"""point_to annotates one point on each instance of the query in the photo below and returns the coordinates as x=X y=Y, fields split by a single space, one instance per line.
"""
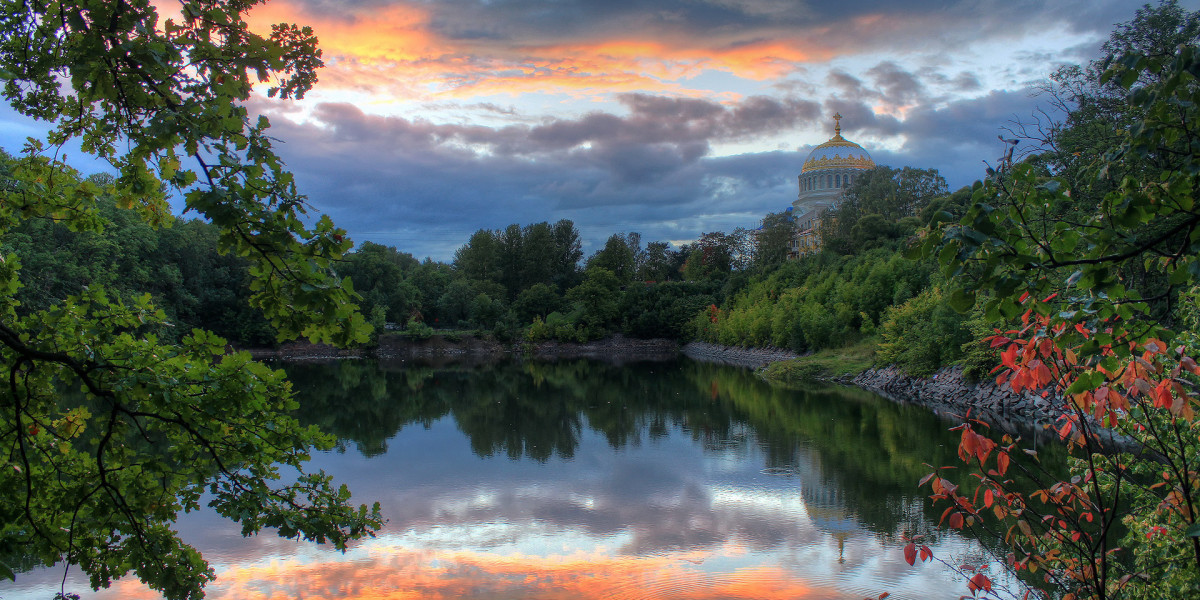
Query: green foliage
x=180 y=266
x=715 y=255
x=978 y=357
x=817 y=302
x=923 y=334
x=382 y=275
x=773 y=240
x=1090 y=264
x=879 y=207
x=822 y=365
x=595 y=302
x=517 y=258
x=663 y=310
x=536 y=301
x=1012 y=240
x=617 y=257
x=108 y=432
x=417 y=330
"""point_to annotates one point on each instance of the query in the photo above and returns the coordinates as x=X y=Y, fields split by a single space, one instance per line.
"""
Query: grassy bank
x=825 y=364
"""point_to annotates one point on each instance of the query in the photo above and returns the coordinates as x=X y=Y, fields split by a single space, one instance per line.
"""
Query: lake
x=579 y=480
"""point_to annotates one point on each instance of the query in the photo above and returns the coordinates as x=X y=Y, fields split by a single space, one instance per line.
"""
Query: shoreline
x=946 y=392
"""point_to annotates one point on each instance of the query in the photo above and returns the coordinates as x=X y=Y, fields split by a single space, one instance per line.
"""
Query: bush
x=923 y=334
x=417 y=330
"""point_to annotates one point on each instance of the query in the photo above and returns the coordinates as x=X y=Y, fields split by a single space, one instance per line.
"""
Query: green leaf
x=962 y=300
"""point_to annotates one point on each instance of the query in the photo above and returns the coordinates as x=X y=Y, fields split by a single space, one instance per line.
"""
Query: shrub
x=923 y=334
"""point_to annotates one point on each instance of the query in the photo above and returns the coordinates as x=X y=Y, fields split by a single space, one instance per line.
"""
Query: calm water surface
x=579 y=480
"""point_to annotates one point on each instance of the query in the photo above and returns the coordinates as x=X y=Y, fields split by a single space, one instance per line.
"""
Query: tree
x=617 y=257
x=536 y=301
x=882 y=195
x=596 y=301
x=659 y=263
x=1095 y=113
x=379 y=273
x=712 y=256
x=1103 y=347
x=479 y=259
x=538 y=256
x=105 y=432
x=773 y=240
x=568 y=252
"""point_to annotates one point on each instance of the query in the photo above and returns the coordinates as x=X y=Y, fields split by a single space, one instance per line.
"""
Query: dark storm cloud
x=895 y=83
x=649 y=169
x=956 y=138
x=658 y=137
x=428 y=186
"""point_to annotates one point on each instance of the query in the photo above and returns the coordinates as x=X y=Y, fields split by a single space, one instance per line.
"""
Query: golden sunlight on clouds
x=392 y=50
x=402 y=574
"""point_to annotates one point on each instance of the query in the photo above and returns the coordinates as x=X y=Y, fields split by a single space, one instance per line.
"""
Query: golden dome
x=837 y=153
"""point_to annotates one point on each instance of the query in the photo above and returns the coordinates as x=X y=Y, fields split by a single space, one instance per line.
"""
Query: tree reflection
x=857 y=455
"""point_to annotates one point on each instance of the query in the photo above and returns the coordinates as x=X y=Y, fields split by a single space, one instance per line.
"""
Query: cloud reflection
x=399 y=573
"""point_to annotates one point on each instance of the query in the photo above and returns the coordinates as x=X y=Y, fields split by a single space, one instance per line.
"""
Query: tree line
x=520 y=282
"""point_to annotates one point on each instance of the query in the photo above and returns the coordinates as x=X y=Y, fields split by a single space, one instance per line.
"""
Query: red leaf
x=1008 y=357
x=956 y=520
x=910 y=554
x=979 y=582
x=926 y=553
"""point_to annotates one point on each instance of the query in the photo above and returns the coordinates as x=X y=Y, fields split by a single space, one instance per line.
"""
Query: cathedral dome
x=837 y=153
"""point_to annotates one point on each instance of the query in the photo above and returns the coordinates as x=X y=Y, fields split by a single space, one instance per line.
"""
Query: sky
x=435 y=118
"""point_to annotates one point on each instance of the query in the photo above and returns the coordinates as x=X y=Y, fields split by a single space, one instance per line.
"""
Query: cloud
x=467 y=48
x=648 y=168
x=674 y=117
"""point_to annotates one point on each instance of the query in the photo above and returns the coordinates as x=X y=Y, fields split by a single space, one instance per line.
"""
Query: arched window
x=837 y=180
x=829 y=181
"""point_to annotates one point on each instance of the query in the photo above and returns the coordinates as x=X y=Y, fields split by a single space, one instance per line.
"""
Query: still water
x=578 y=480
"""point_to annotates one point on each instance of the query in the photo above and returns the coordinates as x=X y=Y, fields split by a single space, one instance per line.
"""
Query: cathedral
x=829 y=169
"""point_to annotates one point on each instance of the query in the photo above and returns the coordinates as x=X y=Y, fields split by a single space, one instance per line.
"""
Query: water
x=579 y=480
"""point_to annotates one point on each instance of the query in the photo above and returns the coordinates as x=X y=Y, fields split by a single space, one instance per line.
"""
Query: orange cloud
x=392 y=50
x=402 y=574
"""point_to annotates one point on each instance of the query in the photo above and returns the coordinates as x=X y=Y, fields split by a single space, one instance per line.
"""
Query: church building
x=829 y=169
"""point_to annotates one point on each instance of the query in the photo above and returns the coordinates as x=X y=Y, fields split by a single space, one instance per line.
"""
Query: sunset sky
x=434 y=118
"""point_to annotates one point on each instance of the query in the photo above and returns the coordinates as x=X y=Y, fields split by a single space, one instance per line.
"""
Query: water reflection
x=581 y=480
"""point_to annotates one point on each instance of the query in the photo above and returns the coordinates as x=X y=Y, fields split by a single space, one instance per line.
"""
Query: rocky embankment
x=948 y=391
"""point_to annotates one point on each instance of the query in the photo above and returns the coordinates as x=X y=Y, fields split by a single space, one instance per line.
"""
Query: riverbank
x=472 y=349
x=946 y=392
